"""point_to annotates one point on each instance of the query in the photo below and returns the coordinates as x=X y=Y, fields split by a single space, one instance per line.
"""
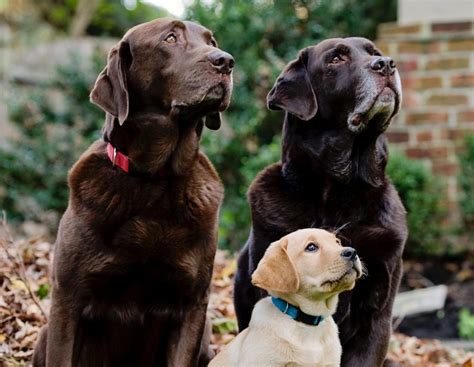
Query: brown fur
x=134 y=253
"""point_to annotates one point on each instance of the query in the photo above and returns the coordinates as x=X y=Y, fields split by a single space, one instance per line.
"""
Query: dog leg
x=62 y=325
x=391 y=363
x=368 y=347
x=185 y=352
x=205 y=354
x=39 y=355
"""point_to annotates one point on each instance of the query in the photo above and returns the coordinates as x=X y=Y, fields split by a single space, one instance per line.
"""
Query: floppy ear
x=293 y=92
x=213 y=121
x=276 y=271
x=110 y=91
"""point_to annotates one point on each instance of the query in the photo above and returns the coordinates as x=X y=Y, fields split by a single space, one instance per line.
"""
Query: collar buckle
x=114 y=157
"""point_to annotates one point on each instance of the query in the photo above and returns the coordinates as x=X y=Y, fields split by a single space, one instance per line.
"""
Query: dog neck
x=154 y=142
x=318 y=306
x=335 y=153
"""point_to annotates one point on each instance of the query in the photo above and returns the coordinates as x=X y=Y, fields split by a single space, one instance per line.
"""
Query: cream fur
x=308 y=280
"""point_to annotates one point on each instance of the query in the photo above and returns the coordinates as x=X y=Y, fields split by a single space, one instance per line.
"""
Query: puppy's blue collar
x=295 y=313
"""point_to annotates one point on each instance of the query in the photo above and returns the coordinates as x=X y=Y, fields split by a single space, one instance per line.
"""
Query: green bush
x=34 y=167
x=466 y=181
x=466 y=324
x=420 y=193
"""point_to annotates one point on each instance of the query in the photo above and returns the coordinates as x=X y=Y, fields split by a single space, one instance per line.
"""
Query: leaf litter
x=25 y=265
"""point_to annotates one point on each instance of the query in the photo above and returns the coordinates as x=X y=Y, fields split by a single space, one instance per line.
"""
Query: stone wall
x=436 y=64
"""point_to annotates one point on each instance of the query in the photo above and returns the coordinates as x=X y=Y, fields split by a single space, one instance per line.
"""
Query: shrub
x=34 y=167
x=419 y=191
x=466 y=181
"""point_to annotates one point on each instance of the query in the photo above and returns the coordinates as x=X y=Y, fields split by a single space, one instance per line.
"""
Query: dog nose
x=384 y=65
x=349 y=253
x=222 y=61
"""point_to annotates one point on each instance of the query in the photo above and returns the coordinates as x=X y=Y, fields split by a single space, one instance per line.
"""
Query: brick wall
x=436 y=64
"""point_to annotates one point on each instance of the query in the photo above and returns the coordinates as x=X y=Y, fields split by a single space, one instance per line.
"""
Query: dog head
x=168 y=66
x=308 y=262
x=346 y=82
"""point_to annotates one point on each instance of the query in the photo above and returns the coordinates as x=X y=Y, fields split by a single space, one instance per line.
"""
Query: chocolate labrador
x=339 y=97
x=135 y=247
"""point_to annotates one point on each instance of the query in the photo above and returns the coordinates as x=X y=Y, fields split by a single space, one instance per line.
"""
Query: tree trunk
x=84 y=12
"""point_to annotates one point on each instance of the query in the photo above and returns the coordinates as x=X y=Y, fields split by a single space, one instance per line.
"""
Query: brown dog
x=339 y=97
x=135 y=248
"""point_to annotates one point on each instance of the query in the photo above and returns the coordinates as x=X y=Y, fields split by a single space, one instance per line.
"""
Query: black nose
x=222 y=61
x=383 y=65
x=349 y=253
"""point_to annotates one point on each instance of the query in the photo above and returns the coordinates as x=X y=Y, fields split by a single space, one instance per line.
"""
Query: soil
x=458 y=275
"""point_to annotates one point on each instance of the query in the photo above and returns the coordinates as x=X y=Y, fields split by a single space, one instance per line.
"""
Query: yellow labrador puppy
x=303 y=272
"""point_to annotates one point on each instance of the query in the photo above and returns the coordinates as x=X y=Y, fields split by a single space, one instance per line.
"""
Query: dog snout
x=349 y=254
x=383 y=65
x=222 y=61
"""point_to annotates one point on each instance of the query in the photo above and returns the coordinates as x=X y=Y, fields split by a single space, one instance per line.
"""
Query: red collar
x=128 y=166
x=117 y=158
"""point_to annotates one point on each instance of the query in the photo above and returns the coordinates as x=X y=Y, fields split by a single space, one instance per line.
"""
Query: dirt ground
x=24 y=304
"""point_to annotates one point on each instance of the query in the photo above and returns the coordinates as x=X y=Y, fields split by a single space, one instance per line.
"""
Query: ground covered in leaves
x=24 y=304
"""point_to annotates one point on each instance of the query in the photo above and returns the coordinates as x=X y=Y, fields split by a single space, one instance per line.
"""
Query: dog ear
x=276 y=271
x=293 y=92
x=110 y=91
x=213 y=121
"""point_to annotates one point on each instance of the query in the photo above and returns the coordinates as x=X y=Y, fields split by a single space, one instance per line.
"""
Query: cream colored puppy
x=303 y=272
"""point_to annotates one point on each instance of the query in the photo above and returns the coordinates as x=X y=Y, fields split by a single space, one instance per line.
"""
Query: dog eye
x=311 y=247
x=171 y=38
x=213 y=42
x=336 y=60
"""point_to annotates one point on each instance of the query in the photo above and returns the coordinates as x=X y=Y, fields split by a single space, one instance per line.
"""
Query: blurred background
x=52 y=50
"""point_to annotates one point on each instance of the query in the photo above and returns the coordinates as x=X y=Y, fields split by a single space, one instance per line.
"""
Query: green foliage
x=224 y=326
x=43 y=290
x=264 y=35
x=420 y=193
x=466 y=324
x=466 y=180
x=34 y=168
x=111 y=18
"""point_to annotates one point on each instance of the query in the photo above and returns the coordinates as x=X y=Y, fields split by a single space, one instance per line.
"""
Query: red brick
x=384 y=47
x=424 y=136
x=397 y=137
x=445 y=169
x=389 y=30
x=465 y=116
x=416 y=118
x=458 y=135
x=410 y=99
x=448 y=63
x=433 y=153
x=407 y=66
x=462 y=80
x=447 y=100
x=451 y=27
x=421 y=83
x=461 y=45
x=418 y=47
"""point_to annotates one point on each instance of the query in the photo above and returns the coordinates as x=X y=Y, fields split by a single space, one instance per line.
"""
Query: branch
x=18 y=260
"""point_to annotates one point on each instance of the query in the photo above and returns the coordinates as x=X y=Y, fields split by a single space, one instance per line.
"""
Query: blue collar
x=295 y=313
